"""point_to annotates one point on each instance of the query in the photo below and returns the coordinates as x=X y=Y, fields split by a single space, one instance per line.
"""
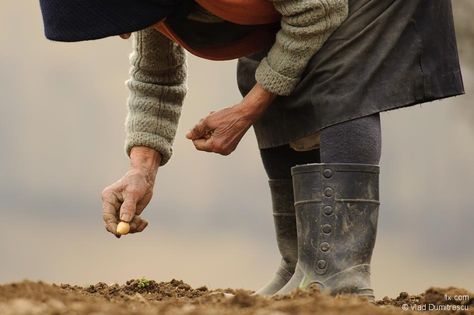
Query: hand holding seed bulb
x=124 y=201
x=121 y=217
x=120 y=228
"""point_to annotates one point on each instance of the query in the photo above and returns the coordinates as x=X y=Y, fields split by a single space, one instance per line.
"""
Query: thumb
x=128 y=209
x=198 y=131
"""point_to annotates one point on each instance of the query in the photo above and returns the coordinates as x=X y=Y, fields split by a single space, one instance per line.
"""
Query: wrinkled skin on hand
x=126 y=199
x=220 y=132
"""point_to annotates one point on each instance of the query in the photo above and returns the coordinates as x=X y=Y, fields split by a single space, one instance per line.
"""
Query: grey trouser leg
x=355 y=141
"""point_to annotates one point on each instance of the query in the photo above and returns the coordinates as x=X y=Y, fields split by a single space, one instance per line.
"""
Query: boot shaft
x=286 y=234
x=284 y=219
x=336 y=214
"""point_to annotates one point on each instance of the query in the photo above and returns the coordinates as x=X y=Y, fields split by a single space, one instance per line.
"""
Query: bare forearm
x=257 y=101
x=146 y=159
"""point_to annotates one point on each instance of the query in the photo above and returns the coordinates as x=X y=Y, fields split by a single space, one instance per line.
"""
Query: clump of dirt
x=146 y=297
x=156 y=291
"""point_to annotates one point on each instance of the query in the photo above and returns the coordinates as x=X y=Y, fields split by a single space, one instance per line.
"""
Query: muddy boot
x=336 y=214
x=285 y=227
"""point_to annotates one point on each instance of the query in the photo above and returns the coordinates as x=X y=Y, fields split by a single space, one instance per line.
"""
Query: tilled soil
x=178 y=298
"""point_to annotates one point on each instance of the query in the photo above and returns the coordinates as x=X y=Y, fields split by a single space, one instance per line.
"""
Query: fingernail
x=125 y=217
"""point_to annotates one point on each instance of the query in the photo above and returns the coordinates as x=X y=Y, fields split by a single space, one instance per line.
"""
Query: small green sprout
x=143 y=283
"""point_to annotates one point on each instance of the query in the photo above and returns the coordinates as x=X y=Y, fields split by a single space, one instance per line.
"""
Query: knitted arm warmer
x=157 y=87
x=305 y=26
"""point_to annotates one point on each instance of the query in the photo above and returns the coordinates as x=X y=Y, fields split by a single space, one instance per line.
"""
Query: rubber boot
x=336 y=214
x=285 y=227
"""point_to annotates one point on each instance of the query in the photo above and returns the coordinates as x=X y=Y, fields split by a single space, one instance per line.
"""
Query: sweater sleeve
x=157 y=88
x=305 y=26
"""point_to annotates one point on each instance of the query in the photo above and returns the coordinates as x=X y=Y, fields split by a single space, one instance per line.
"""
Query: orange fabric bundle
x=248 y=26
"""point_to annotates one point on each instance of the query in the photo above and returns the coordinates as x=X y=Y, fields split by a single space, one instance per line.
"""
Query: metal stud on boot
x=285 y=227
x=336 y=214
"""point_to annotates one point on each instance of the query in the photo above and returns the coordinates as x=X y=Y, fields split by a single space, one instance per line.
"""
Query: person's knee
x=354 y=141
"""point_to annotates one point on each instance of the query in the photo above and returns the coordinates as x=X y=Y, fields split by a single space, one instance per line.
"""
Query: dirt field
x=178 y=298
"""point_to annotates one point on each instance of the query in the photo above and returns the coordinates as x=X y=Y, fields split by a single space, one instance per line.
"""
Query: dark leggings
x=356 y=141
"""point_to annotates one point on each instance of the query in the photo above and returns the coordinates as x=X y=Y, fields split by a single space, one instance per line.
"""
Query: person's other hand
x=125 y=199
x=221 y=131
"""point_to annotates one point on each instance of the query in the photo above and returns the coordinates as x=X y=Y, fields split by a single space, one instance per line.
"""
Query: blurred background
x=61 y=137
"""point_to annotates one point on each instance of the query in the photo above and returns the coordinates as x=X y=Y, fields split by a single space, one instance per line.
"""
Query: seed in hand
x=123 y=228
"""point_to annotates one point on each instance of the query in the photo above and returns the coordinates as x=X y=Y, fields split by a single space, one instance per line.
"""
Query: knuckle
x=134 y=192
x=107 y=194
x=127 y=208
x=221 y=148
x=199 y=146
x=205 y=124
x=108 y=218
x=216 y=146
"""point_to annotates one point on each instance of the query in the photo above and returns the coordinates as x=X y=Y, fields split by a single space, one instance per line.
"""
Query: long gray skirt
x=388 y=54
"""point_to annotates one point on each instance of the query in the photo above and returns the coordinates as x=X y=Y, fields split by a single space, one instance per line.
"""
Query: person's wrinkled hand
x=220 y=132
x=126 y=199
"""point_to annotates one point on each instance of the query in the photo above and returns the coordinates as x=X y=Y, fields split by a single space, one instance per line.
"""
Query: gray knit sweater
x=158 y=69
